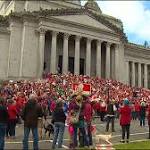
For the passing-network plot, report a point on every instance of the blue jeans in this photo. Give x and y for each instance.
(89, 133)
(2, 135)
(59, 129)
(26, 137)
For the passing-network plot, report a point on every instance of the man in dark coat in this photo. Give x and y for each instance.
(3, 123)
(30, 114)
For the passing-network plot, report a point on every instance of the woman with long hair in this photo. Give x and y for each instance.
(58, 118)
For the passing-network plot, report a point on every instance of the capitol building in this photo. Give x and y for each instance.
(51, 36)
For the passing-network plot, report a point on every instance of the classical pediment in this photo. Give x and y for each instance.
(84, 20)
(77, 16)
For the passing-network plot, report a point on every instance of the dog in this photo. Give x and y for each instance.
(103, 137)
(48, 129)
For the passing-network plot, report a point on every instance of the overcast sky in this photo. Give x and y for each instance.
(135, 16)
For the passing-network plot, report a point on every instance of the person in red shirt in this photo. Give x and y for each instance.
(52, 106)
(88, 112)
(137, 110)
(148, 118)
(96, 107)
(125, 119)
(12, 112)
(20, 101)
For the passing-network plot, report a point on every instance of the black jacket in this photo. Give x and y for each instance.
(110, 109)
(58, 116)
(3, 114)
(142, 112)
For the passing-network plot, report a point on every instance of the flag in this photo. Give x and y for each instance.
(86, 88)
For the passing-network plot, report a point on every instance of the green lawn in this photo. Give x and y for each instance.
(134, 145)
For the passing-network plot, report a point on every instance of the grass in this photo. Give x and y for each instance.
(134, 145)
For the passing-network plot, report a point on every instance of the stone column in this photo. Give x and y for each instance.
(108, 60)
(117, 62)
(65, 54)
(77, 56)
(98, 58)
(127, 72)
(88, 56)
(22, 51)
(139, 74)
(145, 76)
(133, 74)
(53, 52)
(41, 51)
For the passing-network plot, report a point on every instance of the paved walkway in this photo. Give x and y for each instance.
(137, 133)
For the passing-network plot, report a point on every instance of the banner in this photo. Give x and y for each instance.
(85, 88)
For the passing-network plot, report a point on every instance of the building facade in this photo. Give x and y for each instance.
(51, 36)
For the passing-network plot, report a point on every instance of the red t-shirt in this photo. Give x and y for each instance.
(125, 113)
(12, 111)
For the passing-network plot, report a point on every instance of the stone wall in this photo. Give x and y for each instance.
(30, 50)
(4, 53)
(15, 48)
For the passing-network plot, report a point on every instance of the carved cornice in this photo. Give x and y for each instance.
(24, 16)
(76, 11)
(4, 21)
(111, 17)
(35, 15)
(68, 11)
(137, 51)
(4, 30)
(137, 56)
(136, 46)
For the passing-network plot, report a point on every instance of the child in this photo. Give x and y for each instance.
(71, 119)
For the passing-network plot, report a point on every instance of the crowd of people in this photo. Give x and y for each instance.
(33, 100)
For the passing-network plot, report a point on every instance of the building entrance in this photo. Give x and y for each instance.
(71, 64)
(82, 66)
